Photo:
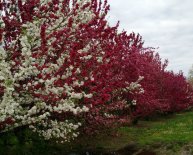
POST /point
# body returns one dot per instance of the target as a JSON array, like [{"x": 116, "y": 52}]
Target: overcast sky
[{"x": 167, "y": 24}]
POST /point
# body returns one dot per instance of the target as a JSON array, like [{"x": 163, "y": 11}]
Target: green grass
[
  {"x": 175, "y": 130},
  {"x": 178, "y": 128}
]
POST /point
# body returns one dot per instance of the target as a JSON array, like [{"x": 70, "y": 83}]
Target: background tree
[{"x": 190, "y": 76}]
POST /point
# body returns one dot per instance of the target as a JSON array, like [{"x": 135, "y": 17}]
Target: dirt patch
[
  {"x": 146, "y": 152},
  {"x": 128, "y": 150}
]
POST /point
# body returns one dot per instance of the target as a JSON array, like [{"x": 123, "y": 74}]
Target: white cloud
[{"x": 164, "y": 24}]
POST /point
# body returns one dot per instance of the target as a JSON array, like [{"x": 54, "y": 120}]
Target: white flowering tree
[{"x": 37, "y": 74}]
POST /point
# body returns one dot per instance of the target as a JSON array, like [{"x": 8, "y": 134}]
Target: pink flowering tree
[{"x": 165, "y": 91}]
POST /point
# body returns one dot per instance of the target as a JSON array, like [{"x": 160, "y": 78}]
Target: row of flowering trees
[{"x": 63, "y": 68}]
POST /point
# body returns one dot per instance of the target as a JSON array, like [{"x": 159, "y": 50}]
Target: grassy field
[
  {"x": 175, "y": 128},
  {"x": 172, "y": 134}
]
